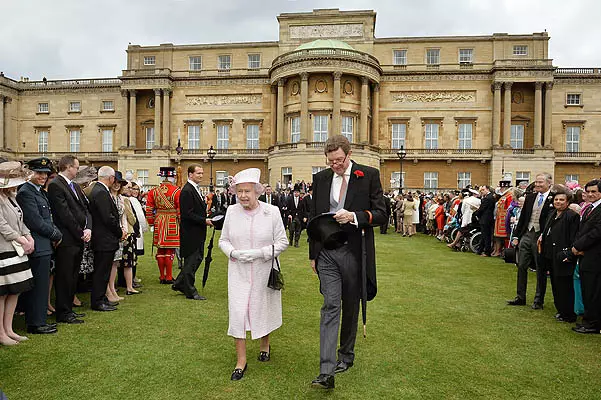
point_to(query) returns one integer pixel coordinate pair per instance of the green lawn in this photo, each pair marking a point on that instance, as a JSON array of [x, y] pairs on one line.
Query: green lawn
[[438, 329]]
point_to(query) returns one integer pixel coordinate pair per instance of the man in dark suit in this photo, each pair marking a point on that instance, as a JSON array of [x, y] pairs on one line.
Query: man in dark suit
[[537, 207], [387, 204], [587, 246], [38, 218], [354, 193], [269, 197], [70, 214], [284, 197], [486, 219], [193, 232], [295, 216], [307, 206], [105, 238]]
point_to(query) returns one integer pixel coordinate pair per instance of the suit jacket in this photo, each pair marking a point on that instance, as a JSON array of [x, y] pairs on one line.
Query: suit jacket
[[107, 225], [588, 240], [275, 201], [70, 213], [364, 193], [11, 223], [526, 214], [307, 206], [295, 210], [38, 218], [557, 235], [485, 213], [193, 226]]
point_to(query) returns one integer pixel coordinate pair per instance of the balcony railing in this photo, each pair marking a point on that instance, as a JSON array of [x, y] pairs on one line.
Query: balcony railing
[[577, 154], [437, 151], [526, 62], [82, 155], [578, 71], [522, 151], [203, 152], [325, 52]]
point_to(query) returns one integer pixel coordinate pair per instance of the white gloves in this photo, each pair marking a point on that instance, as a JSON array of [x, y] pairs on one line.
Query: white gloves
[[246, 256]]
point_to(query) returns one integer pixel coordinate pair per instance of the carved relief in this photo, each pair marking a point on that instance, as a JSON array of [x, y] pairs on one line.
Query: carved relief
[[295, 90], [222, 82], [434, 97], [321, 86], [348, 87], [220, 100], [327, 31], [457, 77], [517, 97]]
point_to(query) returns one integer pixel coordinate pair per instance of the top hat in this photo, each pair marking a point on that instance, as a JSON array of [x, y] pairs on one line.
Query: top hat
[[325, 229], [11, 174], [167, 172], [504, 184], [119, 178], [218, 219], [41, 164]]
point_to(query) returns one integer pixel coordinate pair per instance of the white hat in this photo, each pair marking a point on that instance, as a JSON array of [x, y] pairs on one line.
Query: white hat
[[12, 174], [249, 175]]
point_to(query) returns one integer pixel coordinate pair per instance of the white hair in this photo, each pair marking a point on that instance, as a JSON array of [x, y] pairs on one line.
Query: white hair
[[105, 172]]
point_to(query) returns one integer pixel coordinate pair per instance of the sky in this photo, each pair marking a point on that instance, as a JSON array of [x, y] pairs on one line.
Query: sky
[[62, 39]]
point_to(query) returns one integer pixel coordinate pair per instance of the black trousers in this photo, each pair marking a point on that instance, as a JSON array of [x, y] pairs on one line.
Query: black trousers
[[295, 230], [591, 297], [384, 227], [563, 293], [36, 300], [187, 276], [103, 262], [68, 263], [486, 242]]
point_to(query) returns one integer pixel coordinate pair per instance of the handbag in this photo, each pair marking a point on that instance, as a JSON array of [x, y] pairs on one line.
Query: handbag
[[18, 248], [276, 279]]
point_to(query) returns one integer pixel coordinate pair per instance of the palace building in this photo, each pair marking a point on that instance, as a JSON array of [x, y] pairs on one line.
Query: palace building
[[460, 109]]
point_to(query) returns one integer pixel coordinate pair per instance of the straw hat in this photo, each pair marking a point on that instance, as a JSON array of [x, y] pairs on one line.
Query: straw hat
[[12, 174], [85, 175]]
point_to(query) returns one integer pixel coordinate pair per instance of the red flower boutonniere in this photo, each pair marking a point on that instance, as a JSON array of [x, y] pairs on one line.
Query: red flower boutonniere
[[359, 174]]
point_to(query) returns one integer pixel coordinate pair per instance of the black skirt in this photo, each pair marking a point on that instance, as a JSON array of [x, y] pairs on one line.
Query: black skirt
[[15, 274]]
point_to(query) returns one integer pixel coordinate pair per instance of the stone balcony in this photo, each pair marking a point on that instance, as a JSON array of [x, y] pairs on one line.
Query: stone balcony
[[221, 154], [438, 154], [82, 156], [578, 157]]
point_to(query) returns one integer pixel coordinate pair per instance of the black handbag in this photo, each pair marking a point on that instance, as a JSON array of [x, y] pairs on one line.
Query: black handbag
[[276, 279]]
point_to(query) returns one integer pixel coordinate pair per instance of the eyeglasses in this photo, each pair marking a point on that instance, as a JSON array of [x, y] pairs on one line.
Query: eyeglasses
[[336, 161]]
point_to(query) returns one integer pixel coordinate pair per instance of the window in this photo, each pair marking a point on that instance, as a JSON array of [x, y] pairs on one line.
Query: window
[[143, 177], [520, 50], [320, 128], [572, 139], [295, 129], [193, 137], [464, 179], [252, 136], [254, 61], [399, 57], [433, 56], [223, 136], [347, 128], [107, 140], [149, 60], [466, 56], [522, 176], [430, 180], [220, 178], [572, 178], [195, 63], [286, 175], [517, 137], [74, 135], [465, 136], [431, 141], [43, 141], [75, 106], [224, 63], [149, 138], [108, 105], [573, 99], [43, 108], [399, 133], [317, 170], [394, 180]]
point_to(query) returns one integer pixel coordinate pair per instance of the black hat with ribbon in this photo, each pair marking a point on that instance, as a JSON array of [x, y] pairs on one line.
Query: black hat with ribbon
[[325, 229]]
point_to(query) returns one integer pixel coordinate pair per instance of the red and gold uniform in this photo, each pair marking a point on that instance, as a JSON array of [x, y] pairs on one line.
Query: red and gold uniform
[[162, 212], [502, 205]]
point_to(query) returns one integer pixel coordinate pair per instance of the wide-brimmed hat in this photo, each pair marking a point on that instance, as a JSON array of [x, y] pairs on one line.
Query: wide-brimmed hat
[[119, 178], [249, 175], [325, 229], [12, 174], [86, 174], [41, 164]]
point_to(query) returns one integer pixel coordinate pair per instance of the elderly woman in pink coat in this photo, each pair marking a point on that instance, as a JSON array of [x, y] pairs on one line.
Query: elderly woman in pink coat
[[253, 233]]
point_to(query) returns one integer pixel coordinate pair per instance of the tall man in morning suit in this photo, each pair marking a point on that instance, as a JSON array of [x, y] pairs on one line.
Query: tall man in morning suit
[[71, 215], [295, 217], [193, 231], [354, 193]]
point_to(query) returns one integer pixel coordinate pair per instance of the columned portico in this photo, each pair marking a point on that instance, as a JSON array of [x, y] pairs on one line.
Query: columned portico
[[157, 115], [538, 110], [336, 104], [280, 121], [304, 112], [496, 115], [548, 115], [507, 116], [166, 118], [363, 137], [132, 118], [375, 120]]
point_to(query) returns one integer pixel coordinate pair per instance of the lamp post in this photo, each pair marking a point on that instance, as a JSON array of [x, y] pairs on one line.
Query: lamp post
[[211, 153], [401, 154]]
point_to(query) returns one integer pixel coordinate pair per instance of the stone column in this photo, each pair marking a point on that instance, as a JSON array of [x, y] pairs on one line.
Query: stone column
[[166, 118], [304, 113], [364, 110], [280, 122], [124, 132], [273, 116], [538, 117], [336, 127], [496, 115], [507, 116], [132, 119], [2, 143], [375, 119], [548, 115], [157, 116]]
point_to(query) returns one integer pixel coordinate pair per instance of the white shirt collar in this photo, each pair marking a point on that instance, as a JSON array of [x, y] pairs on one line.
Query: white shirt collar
[[596, 203], [347, 172], [193, 184], [104, 184], [64, 177]]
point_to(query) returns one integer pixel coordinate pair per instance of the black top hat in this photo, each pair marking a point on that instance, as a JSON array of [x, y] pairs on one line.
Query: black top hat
[[504, 184], [325, 229], [41, 164], [119, 177], [218, 219], [167, 172]]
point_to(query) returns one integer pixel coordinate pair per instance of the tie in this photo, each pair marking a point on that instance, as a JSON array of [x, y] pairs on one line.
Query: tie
[[342, 188], [540, 199], [587, 212], [72, 186]]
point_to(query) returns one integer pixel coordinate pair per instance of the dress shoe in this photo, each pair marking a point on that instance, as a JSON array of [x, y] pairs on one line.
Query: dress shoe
[[196, 297], [41, 330], [162, 281], [137, 285], [128, 293], [585, 329], [323, 381], [70, 319], [51, 324], [516, 302], [169, 281], [537, 306], [111, 303], [342, 366], [176, 288], [78, 315], [562, 319], [239, 373], [104, 307], [265, 356]]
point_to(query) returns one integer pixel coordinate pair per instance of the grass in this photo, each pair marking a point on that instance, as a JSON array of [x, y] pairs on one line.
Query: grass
[[438, 329]]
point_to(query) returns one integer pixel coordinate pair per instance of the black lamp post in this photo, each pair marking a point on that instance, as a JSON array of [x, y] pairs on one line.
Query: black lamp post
[[212, 153], [401, 154], [179, 149]]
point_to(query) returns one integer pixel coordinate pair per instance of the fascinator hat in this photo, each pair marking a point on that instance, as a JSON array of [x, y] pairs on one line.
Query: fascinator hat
[[12, 174], [249, 175]]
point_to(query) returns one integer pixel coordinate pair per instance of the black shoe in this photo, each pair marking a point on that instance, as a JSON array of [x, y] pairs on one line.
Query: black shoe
[[41, 330], [51, 324], [323, 381], [586, 329], [537, 306], [265, 356], [196, 297], [176, 288], [111, 303], [238, 373], [128, 293], [78, 315], [296, 244], [71, 319], [162, 281], [562, 319], [168, 282], [104, 307], [342, 366], [516, 302]]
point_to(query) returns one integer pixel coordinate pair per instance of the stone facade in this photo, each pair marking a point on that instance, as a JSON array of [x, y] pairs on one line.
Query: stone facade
[[464, 108]]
